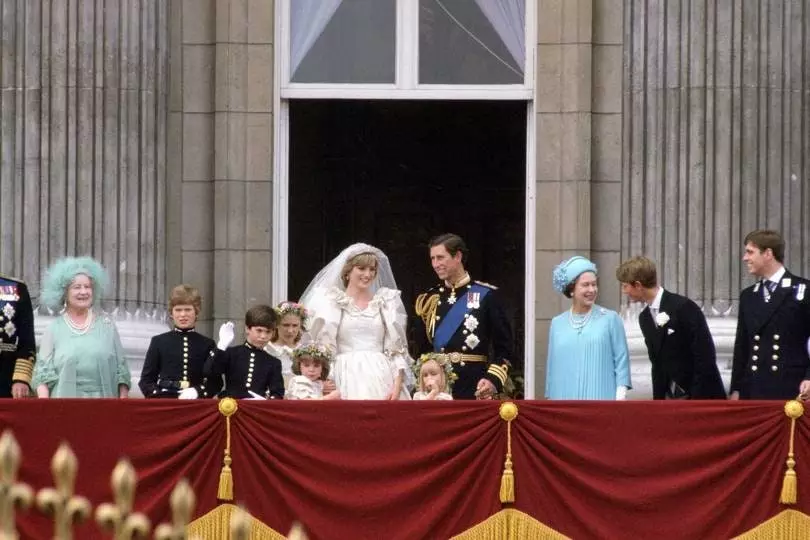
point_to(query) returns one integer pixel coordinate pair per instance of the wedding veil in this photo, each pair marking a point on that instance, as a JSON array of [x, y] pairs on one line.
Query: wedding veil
[[329, 276]]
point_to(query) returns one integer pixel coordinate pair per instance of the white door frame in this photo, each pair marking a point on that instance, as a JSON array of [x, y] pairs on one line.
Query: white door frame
[[406, 88]]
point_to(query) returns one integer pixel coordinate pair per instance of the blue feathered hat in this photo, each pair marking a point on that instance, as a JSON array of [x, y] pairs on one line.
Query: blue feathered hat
[[568, 271], [59, 275]]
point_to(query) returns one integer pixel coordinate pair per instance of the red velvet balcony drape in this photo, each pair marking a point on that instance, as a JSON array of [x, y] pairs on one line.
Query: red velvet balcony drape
[[432, 469]]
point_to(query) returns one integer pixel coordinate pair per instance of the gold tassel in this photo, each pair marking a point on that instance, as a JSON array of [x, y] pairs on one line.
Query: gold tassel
[[793, 409], [225, 490], [227, 407], [508, 412], [508, 482]]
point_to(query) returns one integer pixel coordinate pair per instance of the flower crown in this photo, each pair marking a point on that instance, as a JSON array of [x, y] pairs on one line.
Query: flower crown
[[293, 308], [313, 350], [449, 375]]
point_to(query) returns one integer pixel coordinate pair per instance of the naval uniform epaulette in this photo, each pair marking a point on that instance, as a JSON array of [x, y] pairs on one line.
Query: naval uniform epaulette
[[485, 284]]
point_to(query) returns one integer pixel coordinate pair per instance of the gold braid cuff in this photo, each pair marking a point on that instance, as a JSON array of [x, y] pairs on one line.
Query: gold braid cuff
[[23, 370], [501, 372], [426, 306]]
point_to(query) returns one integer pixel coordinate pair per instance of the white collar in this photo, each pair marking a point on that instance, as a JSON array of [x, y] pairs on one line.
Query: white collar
[[656, 303], [778, 275]]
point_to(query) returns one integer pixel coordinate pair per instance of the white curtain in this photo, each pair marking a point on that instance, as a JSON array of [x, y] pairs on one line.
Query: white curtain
[[508, 17], [308, 18]]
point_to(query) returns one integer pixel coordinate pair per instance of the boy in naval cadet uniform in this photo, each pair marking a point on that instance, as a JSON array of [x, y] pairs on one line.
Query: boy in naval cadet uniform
[[771, 356], [17, 344], [250, 371], [175, 360], [460, 320]]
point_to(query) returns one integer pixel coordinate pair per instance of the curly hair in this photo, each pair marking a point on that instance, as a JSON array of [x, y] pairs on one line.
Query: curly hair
[[58, 277]]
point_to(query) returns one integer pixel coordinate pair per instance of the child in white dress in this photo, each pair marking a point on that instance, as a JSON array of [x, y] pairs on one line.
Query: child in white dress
[[292, 323], [435, 378], [310, 364]]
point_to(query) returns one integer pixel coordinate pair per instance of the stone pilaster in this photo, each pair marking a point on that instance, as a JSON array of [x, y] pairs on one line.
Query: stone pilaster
[[191, 149], [242, 216]]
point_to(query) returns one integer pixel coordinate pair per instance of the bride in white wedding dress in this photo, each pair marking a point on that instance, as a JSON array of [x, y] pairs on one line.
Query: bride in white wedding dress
[[358, 313]]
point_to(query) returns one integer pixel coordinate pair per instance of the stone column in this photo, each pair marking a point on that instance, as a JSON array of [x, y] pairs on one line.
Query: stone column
[[243, 193], [578, 117], [716, 144], [83, 140]]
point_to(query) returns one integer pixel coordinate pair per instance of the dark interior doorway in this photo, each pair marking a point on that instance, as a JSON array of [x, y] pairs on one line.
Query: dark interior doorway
[[396, 173]]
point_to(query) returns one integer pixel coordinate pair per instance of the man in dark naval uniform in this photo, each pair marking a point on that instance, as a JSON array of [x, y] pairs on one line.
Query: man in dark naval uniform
[[17, 344], [771, 357], [463, 321], [175, 360]]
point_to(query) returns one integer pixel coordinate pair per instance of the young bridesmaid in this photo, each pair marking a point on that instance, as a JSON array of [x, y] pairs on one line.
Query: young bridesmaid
[[311, 368], [435, 379], [291, 326]]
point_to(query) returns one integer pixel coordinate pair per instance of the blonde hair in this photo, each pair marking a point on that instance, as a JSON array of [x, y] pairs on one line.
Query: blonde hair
[[444, 386], [360, 260], [639, 269], [185, 295]]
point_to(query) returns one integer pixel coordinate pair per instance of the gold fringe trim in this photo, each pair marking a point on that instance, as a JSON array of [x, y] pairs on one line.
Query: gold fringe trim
[[227, 407], [793, 410], [508, 412], [216, 525], [786, 525], [510, 524]]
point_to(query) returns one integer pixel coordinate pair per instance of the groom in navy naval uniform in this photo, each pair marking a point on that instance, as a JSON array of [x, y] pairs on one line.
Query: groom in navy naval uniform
[[771, 356], [462, 322], [679, 344]]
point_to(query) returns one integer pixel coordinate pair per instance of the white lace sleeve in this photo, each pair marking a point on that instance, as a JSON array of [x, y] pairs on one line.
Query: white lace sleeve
[[325, 317], [396, 343]]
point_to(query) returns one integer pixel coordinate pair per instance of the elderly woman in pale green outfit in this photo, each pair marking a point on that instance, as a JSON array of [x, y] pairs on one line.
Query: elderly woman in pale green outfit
[[80, 354]]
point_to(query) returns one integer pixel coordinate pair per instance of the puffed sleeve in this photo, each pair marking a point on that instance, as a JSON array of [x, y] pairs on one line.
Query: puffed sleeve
[[44, 370], [326, 310], [123, 374], [396, 343]]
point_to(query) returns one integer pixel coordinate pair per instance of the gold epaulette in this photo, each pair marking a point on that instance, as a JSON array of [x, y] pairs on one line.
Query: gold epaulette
[[426, 305], [485, 284]]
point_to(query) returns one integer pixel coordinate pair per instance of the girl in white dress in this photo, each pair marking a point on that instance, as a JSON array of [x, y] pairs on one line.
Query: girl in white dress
[[359, 315], [435, 378], [292, 320], [311, 367]]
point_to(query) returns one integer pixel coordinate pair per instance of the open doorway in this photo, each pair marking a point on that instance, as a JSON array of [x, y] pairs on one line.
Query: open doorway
[[396, 173]]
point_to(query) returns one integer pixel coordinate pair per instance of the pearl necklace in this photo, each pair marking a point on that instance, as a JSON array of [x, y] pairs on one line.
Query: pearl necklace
[[578, 322], [79, 329]]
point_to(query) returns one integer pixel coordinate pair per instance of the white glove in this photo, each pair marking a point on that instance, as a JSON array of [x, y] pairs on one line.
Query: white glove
[[621, 393], [225, 335], [254, 395], [189, 393]]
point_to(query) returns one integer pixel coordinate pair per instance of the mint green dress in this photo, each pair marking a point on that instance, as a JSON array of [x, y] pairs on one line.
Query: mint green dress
[[89, 365]]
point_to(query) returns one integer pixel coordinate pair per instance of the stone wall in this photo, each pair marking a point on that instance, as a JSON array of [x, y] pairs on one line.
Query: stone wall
[[220, 159], [83, 140]]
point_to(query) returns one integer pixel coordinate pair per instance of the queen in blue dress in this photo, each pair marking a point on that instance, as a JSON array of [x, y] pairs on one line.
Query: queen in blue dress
[[587, 346]]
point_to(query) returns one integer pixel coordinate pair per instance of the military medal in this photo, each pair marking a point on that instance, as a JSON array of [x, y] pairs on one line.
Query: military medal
[[452, 299], [473, 300]]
